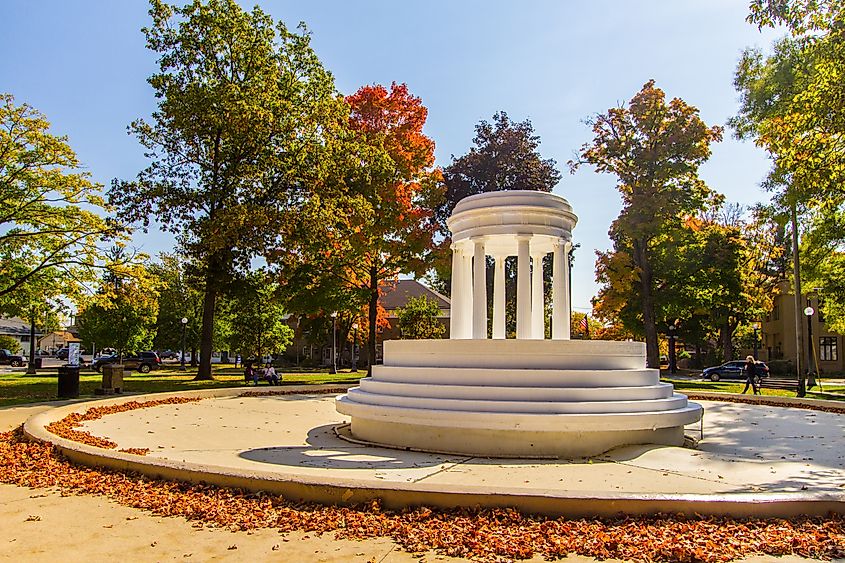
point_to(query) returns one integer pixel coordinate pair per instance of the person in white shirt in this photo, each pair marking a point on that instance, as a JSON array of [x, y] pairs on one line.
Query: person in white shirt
[[270, 375]]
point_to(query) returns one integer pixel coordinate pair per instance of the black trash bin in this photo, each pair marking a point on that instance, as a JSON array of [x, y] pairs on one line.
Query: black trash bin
[[39, 363], [69, 382]]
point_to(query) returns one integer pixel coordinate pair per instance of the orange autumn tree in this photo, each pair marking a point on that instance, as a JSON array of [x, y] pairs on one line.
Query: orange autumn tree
[[348, 240]]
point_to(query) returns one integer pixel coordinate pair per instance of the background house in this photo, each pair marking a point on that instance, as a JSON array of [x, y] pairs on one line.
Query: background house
[[56, 340], [778, 332], [18, 329], [301, 350]]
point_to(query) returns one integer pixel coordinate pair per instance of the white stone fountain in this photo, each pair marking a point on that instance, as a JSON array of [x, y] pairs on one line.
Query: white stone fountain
[[522, 397]]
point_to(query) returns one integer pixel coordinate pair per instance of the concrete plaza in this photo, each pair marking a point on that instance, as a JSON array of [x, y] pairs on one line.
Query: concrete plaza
[[752, 460]]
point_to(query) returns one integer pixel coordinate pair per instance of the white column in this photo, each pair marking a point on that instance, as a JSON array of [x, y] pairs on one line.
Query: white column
[[455, 320], [499, 298], [538, 329], [567, 294], [466, 292], [479, 291], [523, 288], [560, 330]]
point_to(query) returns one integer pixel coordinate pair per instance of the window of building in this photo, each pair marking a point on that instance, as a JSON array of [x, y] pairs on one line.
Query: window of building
[[821, 304], [827, 349], [776, 312]]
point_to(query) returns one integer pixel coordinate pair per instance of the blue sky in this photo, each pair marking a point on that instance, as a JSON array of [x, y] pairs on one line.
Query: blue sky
[[556, 62]]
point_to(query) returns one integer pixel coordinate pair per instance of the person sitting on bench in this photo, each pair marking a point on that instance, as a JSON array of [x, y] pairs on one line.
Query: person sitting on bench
[[270, 375]]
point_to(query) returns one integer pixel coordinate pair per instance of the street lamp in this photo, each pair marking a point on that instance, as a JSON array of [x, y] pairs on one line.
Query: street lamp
[[334, 343], [354, 344], [808, 310], [673, 364], [184, 328], [756, 326]]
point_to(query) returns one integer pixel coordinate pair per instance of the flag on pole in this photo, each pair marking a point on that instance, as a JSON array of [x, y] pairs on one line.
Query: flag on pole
[[585, 326]]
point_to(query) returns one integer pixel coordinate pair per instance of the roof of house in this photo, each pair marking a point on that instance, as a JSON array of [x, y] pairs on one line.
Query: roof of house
[[62, 334], [15, 326], [405, 290]]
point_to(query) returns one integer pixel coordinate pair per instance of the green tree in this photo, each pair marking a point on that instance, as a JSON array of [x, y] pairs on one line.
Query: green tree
[[378, 222], [257, 318], [792, 106], [121, 314], [504, 156], [178, 298], [654, 148], [50, 222], [10, 343], [418, 319], [40, 301], [245, 117]]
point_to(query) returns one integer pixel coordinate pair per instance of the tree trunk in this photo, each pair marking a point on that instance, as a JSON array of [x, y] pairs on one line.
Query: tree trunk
[[649, 324], [796, 282], [207, 332], [373, 316], [30, 368], [194, 357], [726, 341]]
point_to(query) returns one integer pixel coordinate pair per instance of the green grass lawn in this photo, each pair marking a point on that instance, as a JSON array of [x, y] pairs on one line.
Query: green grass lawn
[[738, 386], [18, 388]]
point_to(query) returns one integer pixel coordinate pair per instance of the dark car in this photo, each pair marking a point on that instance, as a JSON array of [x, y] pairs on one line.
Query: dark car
[[143, 362], [14, 360], [168, 355], [65, 352], [733, 370]]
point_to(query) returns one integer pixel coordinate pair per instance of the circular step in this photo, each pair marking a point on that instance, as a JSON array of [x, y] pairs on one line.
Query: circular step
[[515, 377], [505, 406], [511, 393]]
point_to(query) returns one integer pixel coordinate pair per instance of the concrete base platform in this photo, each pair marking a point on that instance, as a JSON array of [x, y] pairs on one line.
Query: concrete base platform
[[753, 460], [497, 443]]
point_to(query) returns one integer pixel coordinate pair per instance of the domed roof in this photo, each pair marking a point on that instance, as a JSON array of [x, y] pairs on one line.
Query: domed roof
[[501, 216]]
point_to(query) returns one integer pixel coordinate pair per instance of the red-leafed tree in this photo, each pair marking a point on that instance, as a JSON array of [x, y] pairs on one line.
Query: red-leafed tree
[[376, 222]]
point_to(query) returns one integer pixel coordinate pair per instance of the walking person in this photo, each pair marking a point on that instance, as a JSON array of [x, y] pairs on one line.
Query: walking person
[[750, 370]]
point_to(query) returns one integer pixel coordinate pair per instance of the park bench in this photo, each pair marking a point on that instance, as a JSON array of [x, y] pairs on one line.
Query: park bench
[[775, 383]]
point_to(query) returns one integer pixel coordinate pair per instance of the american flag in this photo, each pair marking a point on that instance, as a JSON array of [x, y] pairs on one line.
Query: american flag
[[584, 323]]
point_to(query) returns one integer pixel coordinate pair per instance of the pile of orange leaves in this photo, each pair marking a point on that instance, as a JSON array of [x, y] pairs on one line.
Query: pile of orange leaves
[[68, 426]]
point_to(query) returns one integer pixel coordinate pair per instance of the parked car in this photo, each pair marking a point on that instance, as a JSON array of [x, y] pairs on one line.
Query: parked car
[[143, 362], [63, 353], [733, 370], [9, 359], [168, 355]]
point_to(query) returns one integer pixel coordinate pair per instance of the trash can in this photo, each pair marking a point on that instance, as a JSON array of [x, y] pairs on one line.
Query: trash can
[[39, 363], [68, 382], [112, 380]]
